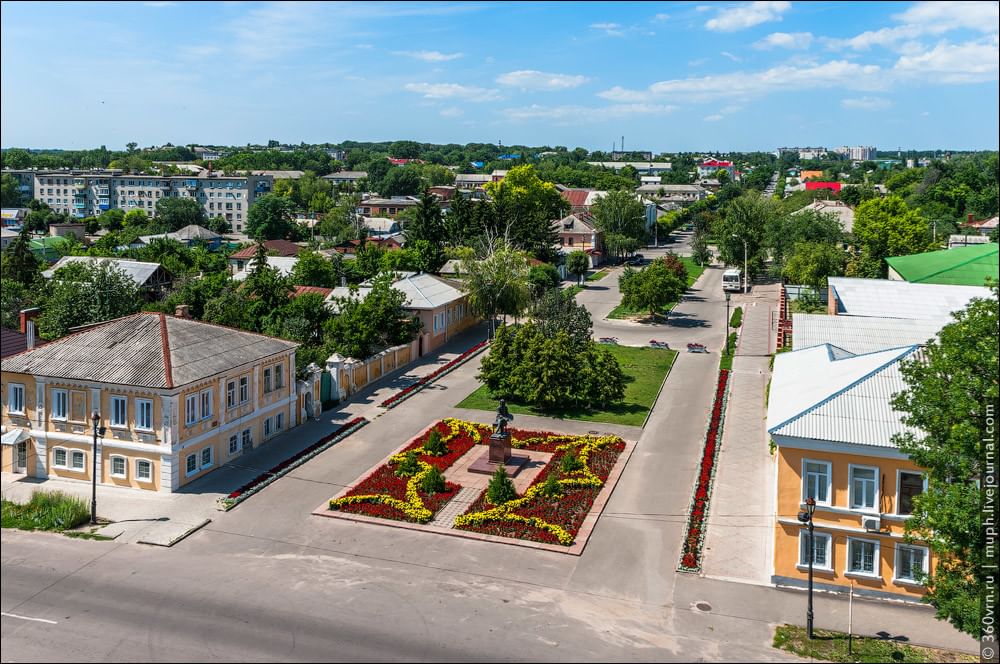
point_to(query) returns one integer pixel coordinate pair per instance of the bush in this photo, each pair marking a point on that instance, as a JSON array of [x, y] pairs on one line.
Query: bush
[[737, 318], [408, 466], [434, 445], [47, 510], [551, 487], [570, 463], [432, 482], [501, 489]]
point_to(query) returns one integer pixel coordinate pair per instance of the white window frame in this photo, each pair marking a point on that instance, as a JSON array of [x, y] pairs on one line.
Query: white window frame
[[899, 479], [188, 469], [117, 399], [141, 422], [206, 404], [72, 461], [190, 409], [803, 542], [211, 457], [15, 389], [876, 559], [829, 481], [55, 462], [58, 395], [231, 394], [876, 498], [138, 473], [896, 578], [244, 389], [111, 466], [234, 444]]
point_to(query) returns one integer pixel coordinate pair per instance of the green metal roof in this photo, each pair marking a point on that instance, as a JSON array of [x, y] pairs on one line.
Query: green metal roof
[[961, 266]]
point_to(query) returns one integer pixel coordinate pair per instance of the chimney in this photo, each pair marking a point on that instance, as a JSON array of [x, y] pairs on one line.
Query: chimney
[[182, 311], [28, 315], [970, 218]]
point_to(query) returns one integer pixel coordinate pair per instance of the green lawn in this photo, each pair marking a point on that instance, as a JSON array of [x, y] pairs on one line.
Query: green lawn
[[47, 510], [621, 311], [599, 274], [832, 647], [644, 369], [573, 290]]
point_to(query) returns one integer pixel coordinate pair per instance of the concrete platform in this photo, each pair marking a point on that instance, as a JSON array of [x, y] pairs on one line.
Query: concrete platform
[[484, 466]]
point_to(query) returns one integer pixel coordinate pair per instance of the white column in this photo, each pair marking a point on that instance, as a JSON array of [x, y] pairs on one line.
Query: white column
[[39, 403], [255, 386], [223, 406], [168, 409], [169, 474]]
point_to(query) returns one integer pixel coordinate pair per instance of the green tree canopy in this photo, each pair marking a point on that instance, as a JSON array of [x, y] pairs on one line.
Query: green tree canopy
[[176, 213], [577, 264], [363, 326], [83, 293], [812, 262], [620, 213], [497, 284], [887, 227], [270, 218], [743, 228]]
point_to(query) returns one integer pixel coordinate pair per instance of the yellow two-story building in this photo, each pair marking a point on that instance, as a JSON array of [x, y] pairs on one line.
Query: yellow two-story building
[[830, 415], [176, 398]]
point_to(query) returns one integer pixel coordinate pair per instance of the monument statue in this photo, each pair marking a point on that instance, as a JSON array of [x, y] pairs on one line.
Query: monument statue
[[503, 417]]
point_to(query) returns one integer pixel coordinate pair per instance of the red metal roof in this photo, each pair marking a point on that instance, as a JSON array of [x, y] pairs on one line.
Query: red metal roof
[[302, 290], [274, 248], [12, 342], [575, 197], [715, 163], [832, 186]]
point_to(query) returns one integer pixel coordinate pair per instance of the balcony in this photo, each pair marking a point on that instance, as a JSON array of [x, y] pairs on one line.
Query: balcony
[[79, 206], [79, 184]]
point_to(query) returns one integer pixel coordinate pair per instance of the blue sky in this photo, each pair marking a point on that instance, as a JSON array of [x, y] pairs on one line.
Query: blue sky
[[667, 76]]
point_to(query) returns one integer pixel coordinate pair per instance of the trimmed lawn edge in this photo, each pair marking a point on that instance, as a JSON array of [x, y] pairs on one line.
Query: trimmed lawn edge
[[831, 646]]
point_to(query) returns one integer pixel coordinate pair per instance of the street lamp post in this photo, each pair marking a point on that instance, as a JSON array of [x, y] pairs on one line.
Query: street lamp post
[[98, 431], [806, 517], [746, 263], [727, 322]]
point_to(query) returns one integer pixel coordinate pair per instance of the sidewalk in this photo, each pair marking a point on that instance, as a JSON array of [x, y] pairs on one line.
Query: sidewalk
[[741, 518], [166, 518]]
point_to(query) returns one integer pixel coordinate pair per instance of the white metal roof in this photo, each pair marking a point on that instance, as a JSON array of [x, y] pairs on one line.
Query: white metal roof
[[284, 265], [381, 224], [824, 393], [422, 291], [138, 271], [859, 334], [901, 299]]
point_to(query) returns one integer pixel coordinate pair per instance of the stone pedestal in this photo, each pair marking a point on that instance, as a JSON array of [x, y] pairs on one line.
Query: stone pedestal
[[499, 454], [499, 447]]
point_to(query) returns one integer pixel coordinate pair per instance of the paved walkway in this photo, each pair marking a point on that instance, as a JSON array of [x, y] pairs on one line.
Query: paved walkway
[[741, 516]]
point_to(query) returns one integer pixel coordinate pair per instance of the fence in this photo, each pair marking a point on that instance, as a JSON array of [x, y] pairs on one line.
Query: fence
[[350, 375]]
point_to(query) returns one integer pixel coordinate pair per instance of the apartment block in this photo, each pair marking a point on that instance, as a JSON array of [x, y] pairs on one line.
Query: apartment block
[[857, 152]]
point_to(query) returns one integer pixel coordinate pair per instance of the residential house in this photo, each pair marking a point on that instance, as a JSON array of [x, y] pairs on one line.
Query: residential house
[[471, 181], [281, 175], [346, 177], [177, 398], [642, 167], [961, 266], [13, 218], [283, 264], [380, 226], [149, 277], [498, 175], [710, 167], [206, 154], [984, 226], [442, 307], [580, 200], [863, 334], [711, 184], [388, 242], [238, 260], [79, 231], [189, 235], [841, 210], [318, 290], [682, 194], [811, 175], [579, 232], [386, 207], [966, 240], [831, 419], [816, 186], [848, 296], [7, 236]]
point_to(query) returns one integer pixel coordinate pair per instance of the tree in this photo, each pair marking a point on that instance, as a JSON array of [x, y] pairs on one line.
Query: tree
[[620, 213], [219, 225], [426, 222], [501, 489], [555, 312], [700, 252], [652, 288], [10, 191], [951, 394], [266, 290], [361, 327], [783, 232], [745, 221], [112, 220], [314, 269], [812, 262], [522, 209], [83, 293], [577, 264], [176, 213], [301, 320], [18, 263], [888, 227], [135, 219], [401, 181], [270, 218], [14, 296], [497, 284], [542, 278]]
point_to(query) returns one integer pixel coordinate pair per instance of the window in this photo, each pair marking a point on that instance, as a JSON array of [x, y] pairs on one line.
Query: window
[[231, 394], [816, 481], [863, 487], [911, 563], [279, 421], [267, 427], [234, 444], [206, 404], [910, 486], [144, 414], [821, 550], [144, 470], [191, 464], [58, 457], [191, 409], [861, 557], [244, 389], [246, 439], [59, 404], [279, 376], [118, 467], [119, 414], [206, 457], [267, 380], [15, 398], [77, 460]]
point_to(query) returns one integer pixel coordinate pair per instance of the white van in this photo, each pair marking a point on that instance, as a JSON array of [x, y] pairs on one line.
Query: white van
[[732, 280]]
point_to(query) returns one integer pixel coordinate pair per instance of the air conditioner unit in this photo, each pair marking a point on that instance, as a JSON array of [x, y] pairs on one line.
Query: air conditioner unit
[[872, 524]]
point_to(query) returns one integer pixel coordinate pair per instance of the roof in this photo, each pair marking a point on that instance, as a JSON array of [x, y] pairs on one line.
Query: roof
[[715, 163], [826, 394], [346, 175], [900, 299], [961, 266], [283, 264], [857, 334], [813, 186], [12, 342], [422, 290], [139, 271], [277, 247], [671, 189], [281, 175], [637, 165], [381, 224], [147, 350], [453, 266], [581, 222], [843, 212], [398, 201], [186, 234], [984, 224], [473, 177], [302, 290]]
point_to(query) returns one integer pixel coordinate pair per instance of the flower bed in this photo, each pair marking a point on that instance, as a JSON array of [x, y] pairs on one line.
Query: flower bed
[[540, 518], [695, 532], [423, 382], [256, 484], [385, 495]]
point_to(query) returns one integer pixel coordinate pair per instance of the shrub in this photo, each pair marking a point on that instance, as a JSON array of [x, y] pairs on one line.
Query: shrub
[[737, 318], [570, 463], [434, 445], [47, 510], [408, 466], [501, 489], [550, 487], [432, 482]]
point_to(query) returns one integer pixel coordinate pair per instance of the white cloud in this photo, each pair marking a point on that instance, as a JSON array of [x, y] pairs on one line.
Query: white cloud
[[200, 51], [613, 29], [271, 30], [581, 114], [429, 56], [866, 104], [452, 91], [452, 112], [661, 17], [732, 57], [529, 79], [973, 62], [925, 18], [713, 118], [747, 16], [697, 63], [792, 40]]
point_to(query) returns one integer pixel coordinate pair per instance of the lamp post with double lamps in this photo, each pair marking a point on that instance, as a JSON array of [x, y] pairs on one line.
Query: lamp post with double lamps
[[727, 322], [806, 517], [98, 431]]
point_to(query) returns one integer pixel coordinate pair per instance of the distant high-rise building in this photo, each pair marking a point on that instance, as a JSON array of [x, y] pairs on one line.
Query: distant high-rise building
[[858, 152]]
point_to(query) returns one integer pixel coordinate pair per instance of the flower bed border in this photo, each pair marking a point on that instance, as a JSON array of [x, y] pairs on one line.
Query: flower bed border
[[281, 469], [694, 531], [409, 391]]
